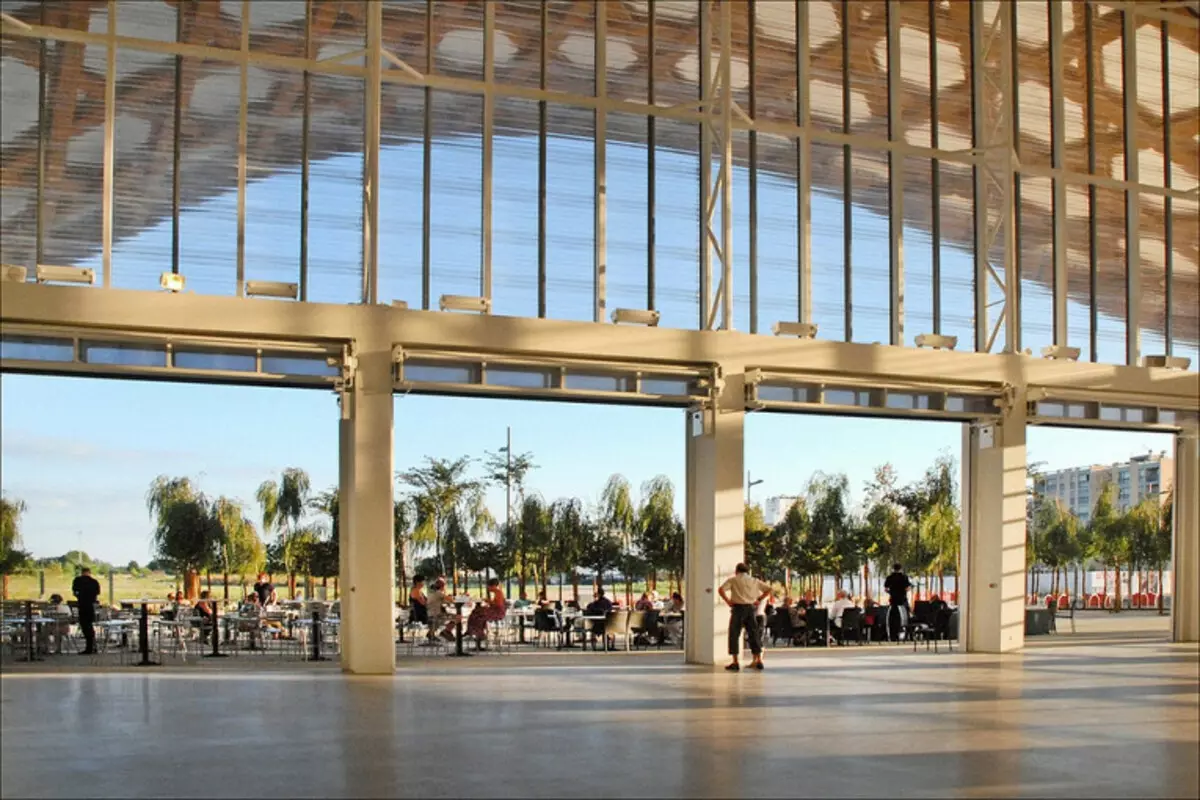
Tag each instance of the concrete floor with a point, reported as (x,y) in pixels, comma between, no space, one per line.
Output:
(1085,720)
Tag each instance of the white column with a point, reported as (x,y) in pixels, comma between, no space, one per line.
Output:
(1185,600)
(368,552)
(715,527)
(994,514)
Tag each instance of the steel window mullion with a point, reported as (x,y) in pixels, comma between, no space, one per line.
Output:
(110,103)
(305,130)
(371,142)
(600,173)
(978,33)
(1133,337)
(486,159)
(895,177)
(1014,260)
(1058,156)
(705,187)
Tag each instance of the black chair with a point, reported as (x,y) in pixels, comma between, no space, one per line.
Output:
(944,619)
(779,626)
(616,624)
(852,626)
(816,627)
(545,621)
(645,628)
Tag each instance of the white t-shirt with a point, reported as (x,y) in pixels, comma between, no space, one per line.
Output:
(743,590)
(835,610)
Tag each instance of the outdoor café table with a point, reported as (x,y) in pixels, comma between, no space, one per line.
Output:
(120,624)
(144,630)
(459,602)
(316,623)
(567,618)
(30,622)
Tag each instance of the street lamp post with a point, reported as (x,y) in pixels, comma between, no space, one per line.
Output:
(750,484)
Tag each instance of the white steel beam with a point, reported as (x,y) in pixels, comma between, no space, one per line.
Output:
(1185,557)
(717,132)
(487,150)
(706,148)
(195,314)
(373,99)
(804,166)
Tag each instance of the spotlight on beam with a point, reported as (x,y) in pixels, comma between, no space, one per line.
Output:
(936,341)
(401,304)
(11,273)
(288,291)
(457,302)
(51,274)
(801,330)
(635,316)
(172,281)
(1060,352)
(1167,362)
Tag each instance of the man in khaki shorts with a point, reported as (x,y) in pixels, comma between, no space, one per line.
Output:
(742,594)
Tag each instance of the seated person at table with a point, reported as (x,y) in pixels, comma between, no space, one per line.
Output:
(644,603)
(673,625)
(492,609)
(265,591)
(202,616)
(543,601)
(836,610)
(439,618)
(418,604)
(601,605)
(61,612)
(936,604)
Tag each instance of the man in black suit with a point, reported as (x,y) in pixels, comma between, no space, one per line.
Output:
(87,591)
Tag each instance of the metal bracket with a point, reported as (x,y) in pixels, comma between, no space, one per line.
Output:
(344,384)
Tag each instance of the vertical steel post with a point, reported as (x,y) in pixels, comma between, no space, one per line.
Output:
(39,233)
(847,183)
(726,117)
(427,166)
(305,167)
(600,174)
(651,160)
(1058,162)
(804,297)
(935,173)
(175,143)
(243,101)
(489,118)
(1093,221)
(373,103)
(895,99)
(110,111)
(541,167)
(705,163)
(752,252)
(1168,222)
(1133,209)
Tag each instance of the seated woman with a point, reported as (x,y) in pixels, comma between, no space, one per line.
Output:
(439,618)
(418,603)
(491,609)
(644,603)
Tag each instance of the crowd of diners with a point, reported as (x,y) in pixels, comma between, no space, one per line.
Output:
(430,604)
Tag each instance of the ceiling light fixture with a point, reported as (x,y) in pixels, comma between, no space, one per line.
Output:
(287,291)
(635,316)
(935,341)
(52,274)
(801,330)
(458,302)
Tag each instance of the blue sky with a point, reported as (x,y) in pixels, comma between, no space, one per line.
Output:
(81,453)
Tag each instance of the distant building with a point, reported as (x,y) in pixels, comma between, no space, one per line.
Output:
(774,508)
(1078,488)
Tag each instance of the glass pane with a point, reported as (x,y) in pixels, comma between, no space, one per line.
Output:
(785,394)
(215,360)
(132,355)
(523,378)
(840,397)
(419,372)
(32,348)
(596,382)
(287,364)
(666,386)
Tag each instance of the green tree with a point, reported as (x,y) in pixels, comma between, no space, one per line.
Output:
(788,538)
(238,550)
(537,528)
(757,547)
(619,514)
(570,538)
(656,526)
(283,505)
(184,531)
(603,551)
(443,496)
(12,557)
(829,520)
(1164,542)
(1144,523)
(1107,532)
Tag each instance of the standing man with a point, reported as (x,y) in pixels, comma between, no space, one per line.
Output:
(742,593)
(897,585)
(87,591)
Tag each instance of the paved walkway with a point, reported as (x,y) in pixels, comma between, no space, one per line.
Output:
(1115,720)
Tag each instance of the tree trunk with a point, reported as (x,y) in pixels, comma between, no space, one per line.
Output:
(1160,590)
(335,587)
(575,584)
(5,591)
(1117,589)
(191,588)
(225,578)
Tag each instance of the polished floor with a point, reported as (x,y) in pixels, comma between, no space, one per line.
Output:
(1117,719)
